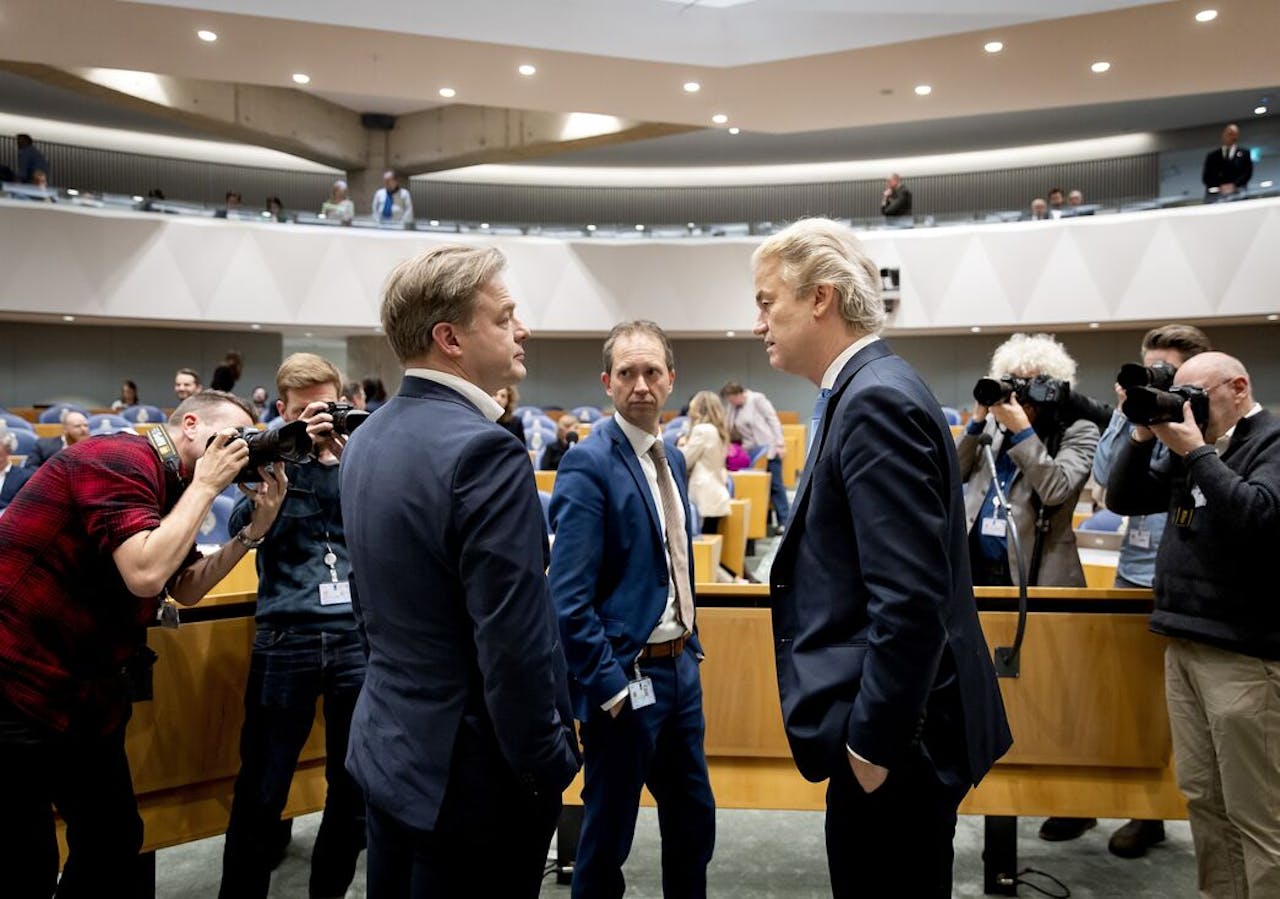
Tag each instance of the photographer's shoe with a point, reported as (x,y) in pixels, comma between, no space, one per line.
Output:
(1059,830)
(1135,838)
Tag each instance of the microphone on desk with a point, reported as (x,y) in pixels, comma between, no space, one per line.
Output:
(1007,657)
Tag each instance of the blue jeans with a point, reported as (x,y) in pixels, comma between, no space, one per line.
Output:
(288,671)
(778,492)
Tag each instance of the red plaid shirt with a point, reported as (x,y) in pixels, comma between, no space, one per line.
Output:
(67,620)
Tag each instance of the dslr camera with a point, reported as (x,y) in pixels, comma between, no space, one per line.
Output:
(1145,405)
(1041,390)
(1160,375)
(346,418)
(290,443)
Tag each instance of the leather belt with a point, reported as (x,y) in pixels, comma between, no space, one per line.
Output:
(667,650)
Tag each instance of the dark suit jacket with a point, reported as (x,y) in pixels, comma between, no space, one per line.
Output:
(898,203)
(448,556)
(1218,170)
(12,481)
(609,574)
(876,631)
(43,451)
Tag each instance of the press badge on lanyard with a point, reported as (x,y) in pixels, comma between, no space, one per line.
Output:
(640,690)
(335,592)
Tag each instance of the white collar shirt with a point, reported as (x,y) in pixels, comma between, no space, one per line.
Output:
(488,406)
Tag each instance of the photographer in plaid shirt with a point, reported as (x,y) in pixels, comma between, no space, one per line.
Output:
(87,551)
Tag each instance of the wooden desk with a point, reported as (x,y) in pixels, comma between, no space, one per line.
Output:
(733,527)
(546,480)
(797,437)
(706,557)
(754,486)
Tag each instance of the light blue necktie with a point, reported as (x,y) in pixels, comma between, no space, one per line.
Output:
(815,424)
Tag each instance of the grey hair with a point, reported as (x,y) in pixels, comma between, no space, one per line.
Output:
(1041,353)
(815,251)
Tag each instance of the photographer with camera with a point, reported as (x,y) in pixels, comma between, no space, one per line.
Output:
(1042,453)
(306,646)
(1215,600)
(1164,350)
(97,543)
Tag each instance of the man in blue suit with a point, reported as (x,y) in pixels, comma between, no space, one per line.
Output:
(11,477)
(887,686)
(622,581)
(462,737)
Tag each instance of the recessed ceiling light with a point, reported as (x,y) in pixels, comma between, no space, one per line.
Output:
(923,90)
(1273,317)
(1260,110)
(301,78)
(719,118)
(975,330)
(434,223)
(1093,324)
(735,130)
(527,70)
(1206,15)
(255,327)
(692,87)
(639,227)
(993,46)
(207,36)
(730,333)
(68,318)
(448,92)
(591,227)
(1099,67)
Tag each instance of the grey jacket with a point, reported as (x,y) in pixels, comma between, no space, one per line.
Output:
(1057,480)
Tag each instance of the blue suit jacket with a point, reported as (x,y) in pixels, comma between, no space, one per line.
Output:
(448,556)
(609,574)
(876,631)
(12,481)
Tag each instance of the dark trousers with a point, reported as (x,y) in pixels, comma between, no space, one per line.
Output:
(491,835)
(287,672)
(895,841)
(661,747)
(778,492)
(86,778)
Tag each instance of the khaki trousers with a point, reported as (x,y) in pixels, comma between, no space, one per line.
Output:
(1224,712)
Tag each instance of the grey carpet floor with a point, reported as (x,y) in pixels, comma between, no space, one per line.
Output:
(763,854)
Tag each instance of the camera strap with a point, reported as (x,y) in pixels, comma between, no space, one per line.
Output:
(162,443)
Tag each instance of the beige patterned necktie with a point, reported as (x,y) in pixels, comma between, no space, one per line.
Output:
(677,540)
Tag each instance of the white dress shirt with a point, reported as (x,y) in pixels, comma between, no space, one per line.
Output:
(490,407)
(838,363)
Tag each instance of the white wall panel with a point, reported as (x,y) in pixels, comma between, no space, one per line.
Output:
(1197,262)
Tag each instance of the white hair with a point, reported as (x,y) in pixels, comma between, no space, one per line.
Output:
(1030,354)
(816,251)
(9,439)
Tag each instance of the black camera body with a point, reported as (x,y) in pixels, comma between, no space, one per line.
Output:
(1160,375)
(290,443)
(346,418)
(1152,406)
(1041,390)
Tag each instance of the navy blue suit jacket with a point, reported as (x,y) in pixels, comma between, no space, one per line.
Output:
(876,631)
(609,574)
(448,556)
(12,481)
(44,450)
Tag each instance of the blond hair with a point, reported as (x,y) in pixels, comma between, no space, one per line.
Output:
(1039,353)
(817,251)
(434,287)
(707,407)
(306,370)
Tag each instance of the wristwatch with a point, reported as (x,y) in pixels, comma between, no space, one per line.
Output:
(248,542)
